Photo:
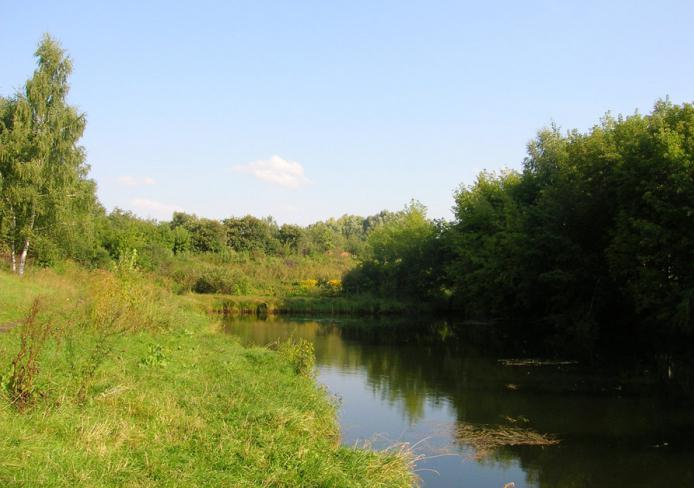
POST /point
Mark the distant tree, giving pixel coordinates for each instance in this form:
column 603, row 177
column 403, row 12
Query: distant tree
column 206, row 235
column 400, row 256
column 181, row 240
column 42, row 166
column 201, row 235
column 181, row 219
column 122, row 232
column 321, row 237
column 252, row 234
column 373, row 221
column 290, row 236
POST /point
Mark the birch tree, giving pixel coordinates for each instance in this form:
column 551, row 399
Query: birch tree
column 42, row 167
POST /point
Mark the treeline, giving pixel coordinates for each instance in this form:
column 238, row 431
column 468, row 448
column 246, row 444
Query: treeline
column 121, row 231
column 593, row 238
column 106, row 236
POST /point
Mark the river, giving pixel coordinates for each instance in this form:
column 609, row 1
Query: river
column 428, row 384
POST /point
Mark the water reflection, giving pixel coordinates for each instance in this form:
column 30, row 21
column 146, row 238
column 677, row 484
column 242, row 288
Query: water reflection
column 422, row 382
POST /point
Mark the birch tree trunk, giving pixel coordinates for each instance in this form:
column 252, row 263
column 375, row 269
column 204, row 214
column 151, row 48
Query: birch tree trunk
column 23, row 258
column 14, row 259
column 25, row 249
column 13, row 247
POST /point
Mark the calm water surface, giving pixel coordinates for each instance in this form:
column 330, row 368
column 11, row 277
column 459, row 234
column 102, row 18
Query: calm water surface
column 424, row 384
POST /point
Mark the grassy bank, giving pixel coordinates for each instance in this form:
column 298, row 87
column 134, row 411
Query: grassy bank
column 298, row 305
column 162, row 399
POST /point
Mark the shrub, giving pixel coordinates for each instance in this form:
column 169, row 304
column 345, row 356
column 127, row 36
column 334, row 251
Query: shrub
column 222, row 280
column 333, row 287
column 300, row 354
column 308, row 286
column 117, row 303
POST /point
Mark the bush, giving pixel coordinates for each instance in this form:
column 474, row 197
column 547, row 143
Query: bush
column 300, row 354
column 222, row 280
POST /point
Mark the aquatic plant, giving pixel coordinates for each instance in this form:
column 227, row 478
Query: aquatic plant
column 485, row 439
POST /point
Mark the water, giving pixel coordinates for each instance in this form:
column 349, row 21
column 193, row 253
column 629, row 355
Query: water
column 426, row 384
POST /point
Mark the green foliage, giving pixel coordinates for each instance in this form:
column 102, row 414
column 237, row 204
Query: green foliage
column 485, row 242
column 222, row 280
column 252, row 234
column 400, row 258
column 290, row 236
column 206, row 235
column 300, row 354
column 156, row 357
column 121, row 231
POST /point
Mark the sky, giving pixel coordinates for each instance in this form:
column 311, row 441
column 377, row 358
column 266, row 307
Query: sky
column 309, row 110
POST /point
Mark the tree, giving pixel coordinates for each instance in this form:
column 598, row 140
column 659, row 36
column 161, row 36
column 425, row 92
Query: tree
column 252, row 234
column 42, row 166
column 485, row 242
column 290, row 236
column 401, row 259
column 204, row 235
column 651, row 253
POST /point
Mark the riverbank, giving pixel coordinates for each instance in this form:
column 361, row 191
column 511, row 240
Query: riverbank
column 298, row 305
column 168, row 401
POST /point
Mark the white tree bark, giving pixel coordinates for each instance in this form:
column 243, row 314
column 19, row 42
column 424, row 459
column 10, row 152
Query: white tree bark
column 23, row 258
column 13, row 248
column 14, row 259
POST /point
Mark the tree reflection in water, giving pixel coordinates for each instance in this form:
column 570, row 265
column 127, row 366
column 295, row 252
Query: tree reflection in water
column 439, row 379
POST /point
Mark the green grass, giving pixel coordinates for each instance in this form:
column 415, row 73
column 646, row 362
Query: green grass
column 16, row 296
column 180, row 405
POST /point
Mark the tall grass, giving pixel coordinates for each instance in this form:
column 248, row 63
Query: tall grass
column 244, row 274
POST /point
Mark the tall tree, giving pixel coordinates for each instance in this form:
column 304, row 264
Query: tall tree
column 42, row 166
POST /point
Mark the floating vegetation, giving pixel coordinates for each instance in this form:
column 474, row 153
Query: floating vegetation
column 485, row 439
column 536, row 362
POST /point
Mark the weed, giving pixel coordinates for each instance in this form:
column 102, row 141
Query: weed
column 20, row 382
column 88, row 370
column 300, row 354
column 155, row 357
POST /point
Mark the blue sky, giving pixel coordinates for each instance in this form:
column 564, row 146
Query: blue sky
column 306, row 110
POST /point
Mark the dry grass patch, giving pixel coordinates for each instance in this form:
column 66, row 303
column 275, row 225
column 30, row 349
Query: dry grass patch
column 485, row 439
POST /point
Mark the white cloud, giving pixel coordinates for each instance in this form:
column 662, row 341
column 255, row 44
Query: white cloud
column 276, row 170
column 154, row 209
column 135, row 181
